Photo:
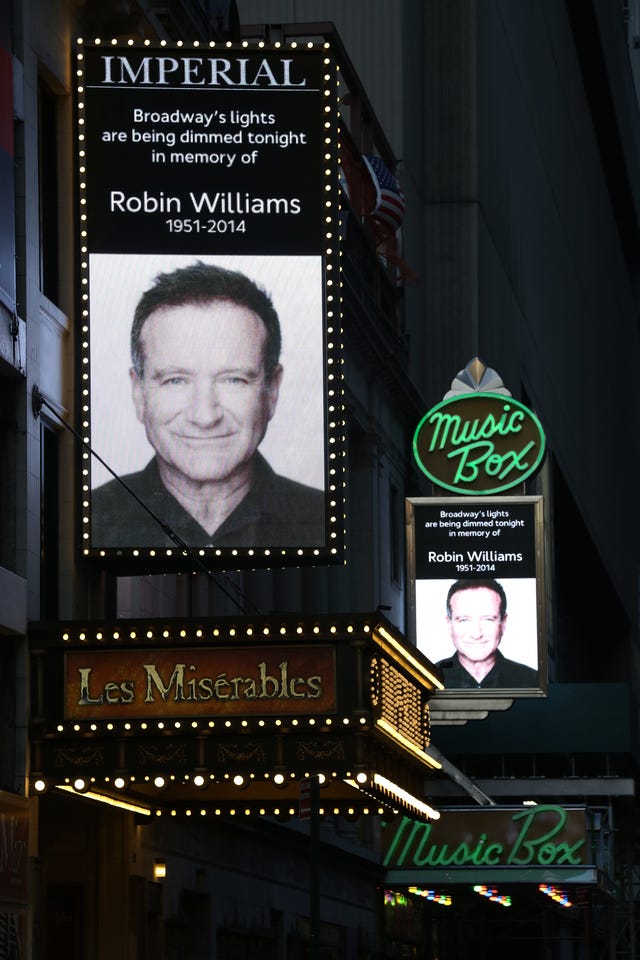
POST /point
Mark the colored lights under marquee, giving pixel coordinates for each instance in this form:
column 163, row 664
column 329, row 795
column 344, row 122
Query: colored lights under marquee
column 492, row 894
column 558, row 896
column 444, row 899
column 394, row 898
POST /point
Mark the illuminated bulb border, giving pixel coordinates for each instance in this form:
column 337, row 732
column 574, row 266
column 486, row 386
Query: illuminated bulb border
column 138, row 726
column 215, row 809
column 217, row 632
column 336, row 439
column 199, row 778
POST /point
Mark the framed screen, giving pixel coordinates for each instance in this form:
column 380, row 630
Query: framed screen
column 209, row 198
column 476, row 585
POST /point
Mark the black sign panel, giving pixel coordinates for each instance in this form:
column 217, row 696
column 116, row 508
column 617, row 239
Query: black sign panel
column 477, row 591
column 209, row 202
column 482, row 539
column 196, row 151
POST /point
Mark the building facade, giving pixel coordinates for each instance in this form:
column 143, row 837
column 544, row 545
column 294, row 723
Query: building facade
column 514, row 131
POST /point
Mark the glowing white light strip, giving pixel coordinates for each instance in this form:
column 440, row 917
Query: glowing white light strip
column 402, row 794
column 391, row 732
column 392, row 788
column 110, row 801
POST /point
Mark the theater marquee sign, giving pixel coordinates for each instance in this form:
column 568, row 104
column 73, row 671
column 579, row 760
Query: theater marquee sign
column 152, row 712
column 479, row 443
column 541, row 835
column 192, row 161
column 494, row 845
column 184, row 682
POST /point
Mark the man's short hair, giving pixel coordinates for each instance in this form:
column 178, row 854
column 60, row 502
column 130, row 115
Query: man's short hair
column 488, row 584
column 202, row 283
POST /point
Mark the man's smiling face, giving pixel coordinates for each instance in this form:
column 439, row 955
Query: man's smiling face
column 475, row 623
column 203, row 397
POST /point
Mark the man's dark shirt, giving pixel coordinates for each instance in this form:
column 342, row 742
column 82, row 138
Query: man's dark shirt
column 504, row 673
column 277, row 512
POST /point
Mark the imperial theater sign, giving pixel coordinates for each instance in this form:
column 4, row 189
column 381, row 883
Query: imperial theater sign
column 155, row 711
column 479, row 443
column 192, row 161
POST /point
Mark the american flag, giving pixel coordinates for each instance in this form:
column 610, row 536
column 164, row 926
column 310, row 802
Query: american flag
column 390, row 206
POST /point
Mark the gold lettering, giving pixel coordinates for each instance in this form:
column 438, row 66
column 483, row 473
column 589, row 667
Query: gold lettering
column 177, row 679
column 85, row 699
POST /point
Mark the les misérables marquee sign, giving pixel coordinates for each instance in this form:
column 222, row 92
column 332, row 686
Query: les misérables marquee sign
column 479, row 443
column 184, row 682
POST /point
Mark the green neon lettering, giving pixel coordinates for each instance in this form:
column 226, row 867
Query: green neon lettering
column 445, row 420
column 396, row 840
column 495, row 464
column 539, row 849
column 412, row 844
column 567, row 854
column 492, row 854
column 469, row 431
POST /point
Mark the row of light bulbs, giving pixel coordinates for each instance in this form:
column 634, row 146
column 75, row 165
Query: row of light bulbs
column 217, row 633
column 201, row 780
column 88, row 788
column 276, row 810
column 241, row 723
column 260, row 44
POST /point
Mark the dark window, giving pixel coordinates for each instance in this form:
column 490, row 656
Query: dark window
column 8, row 466
column 587, row 608
column 245, row 945
column 49, row 517
column 64, row 923
column 394, row 534
column 48, row 191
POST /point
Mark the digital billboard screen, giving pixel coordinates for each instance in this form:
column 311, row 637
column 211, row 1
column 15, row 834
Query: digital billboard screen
column 476, row 583
column 208, row 211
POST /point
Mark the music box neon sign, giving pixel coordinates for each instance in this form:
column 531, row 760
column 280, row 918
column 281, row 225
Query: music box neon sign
column 479, row 443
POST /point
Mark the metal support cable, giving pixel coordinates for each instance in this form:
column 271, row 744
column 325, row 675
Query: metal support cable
column 38, row 401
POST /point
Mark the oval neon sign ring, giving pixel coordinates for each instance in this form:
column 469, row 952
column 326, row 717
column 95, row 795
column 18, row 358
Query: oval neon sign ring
column 479, row 443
